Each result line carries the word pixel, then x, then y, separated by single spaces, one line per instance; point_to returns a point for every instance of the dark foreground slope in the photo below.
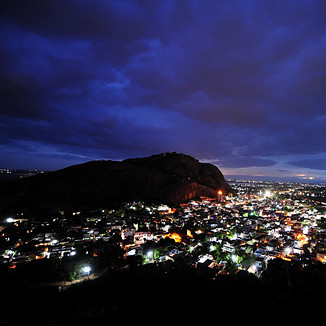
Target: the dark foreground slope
pixel 175 293
pixel 165 178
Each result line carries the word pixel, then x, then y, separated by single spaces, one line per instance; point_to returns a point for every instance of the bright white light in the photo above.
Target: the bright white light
pixel 132 252
pixel 150 254
pixel 72 253
pixel 10 220
pixel 234 257
pixel 287 250
pixel 86 269
pixel 267 193
pixel 9 252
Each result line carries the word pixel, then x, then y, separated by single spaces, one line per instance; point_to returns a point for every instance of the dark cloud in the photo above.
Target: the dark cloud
pixel 242 82
pixel 236 161
pixel 317 164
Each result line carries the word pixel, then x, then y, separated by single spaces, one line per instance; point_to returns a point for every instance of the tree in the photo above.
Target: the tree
pixel 232 232
pixel 231 266
pixel 219 254
pixel 159 252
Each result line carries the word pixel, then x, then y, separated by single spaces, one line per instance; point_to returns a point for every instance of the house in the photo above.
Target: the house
pixel 204 258
pixel 141 237
pixel 228 247
pixel 128 232
pixel 259 263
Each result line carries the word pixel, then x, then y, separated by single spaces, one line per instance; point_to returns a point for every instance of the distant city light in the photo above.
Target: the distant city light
pixel 10 220
pixel 268 193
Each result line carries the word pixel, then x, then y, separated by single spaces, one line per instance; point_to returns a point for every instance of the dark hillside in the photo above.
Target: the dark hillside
pixel 165 178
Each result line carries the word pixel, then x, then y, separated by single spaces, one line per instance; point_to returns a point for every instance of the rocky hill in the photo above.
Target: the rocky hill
pixel 164 178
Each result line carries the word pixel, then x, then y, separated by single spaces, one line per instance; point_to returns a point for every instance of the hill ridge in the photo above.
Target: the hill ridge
pixel 170 178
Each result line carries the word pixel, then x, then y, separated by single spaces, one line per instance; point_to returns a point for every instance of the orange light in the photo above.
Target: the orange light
pixel 174 236
pixel 303 239
pixel 284 257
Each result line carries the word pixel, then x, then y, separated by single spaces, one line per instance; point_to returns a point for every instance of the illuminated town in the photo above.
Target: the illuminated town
pixel 162 160
pixel 239 233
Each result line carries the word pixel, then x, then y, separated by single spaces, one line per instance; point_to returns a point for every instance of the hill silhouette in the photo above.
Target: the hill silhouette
pixel 164 178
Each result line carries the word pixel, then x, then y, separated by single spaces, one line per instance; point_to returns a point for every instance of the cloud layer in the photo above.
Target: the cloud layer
pixel 241 83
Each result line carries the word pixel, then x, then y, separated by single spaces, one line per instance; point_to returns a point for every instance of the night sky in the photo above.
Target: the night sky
pixel 240 84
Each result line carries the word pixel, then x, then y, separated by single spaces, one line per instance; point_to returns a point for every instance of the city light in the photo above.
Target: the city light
pixel 287 250
pixel 302 238
pixel 246 233
pixel 174 236
pixel 252 269
pixel 268 193
pixel 87 269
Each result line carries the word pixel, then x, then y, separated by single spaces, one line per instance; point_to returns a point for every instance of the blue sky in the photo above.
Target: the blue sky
pixel 240 84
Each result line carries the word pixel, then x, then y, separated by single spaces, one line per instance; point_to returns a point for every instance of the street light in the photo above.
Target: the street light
pixel 86 270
